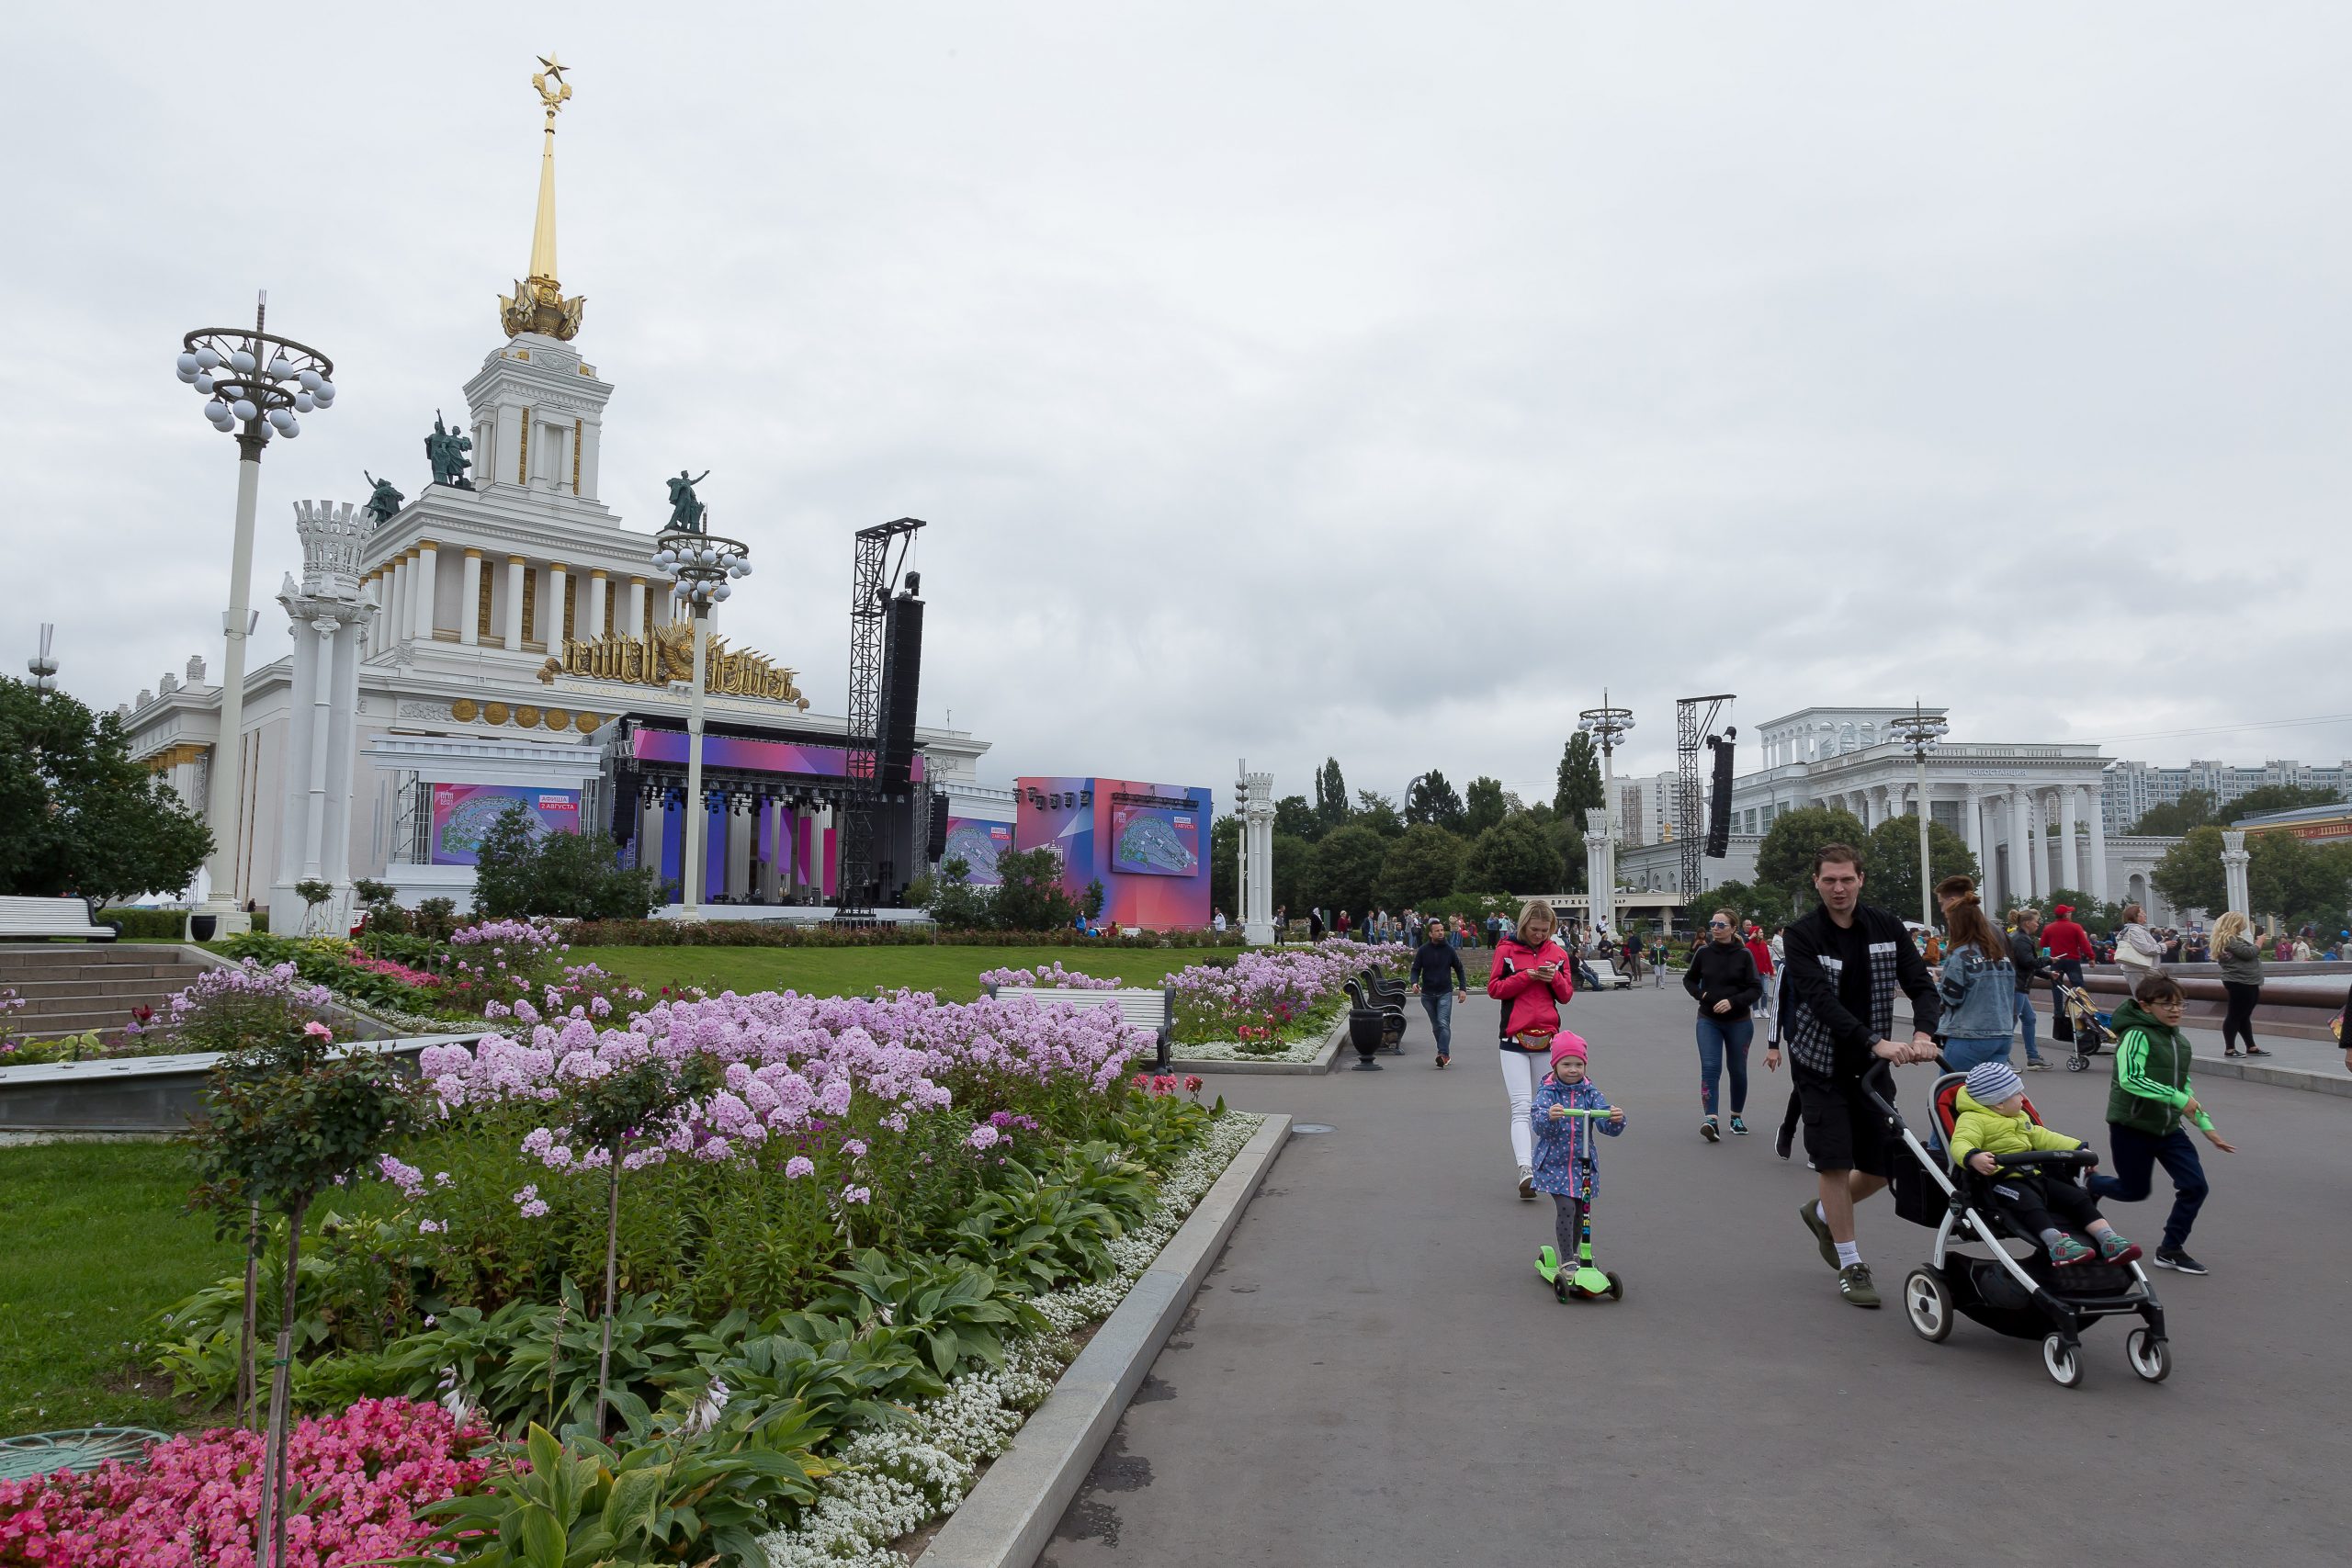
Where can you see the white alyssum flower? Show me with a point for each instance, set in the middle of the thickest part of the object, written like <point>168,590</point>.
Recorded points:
<point>895,1480</point>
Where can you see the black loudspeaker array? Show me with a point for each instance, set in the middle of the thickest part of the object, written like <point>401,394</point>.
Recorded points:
<point>936,846</point>
<point>626,806</point>
<point>902,676</point>
<point>1719,800</point>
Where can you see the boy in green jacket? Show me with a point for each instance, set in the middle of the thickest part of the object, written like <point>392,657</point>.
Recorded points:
<point>1992,1120</point>
<point>2144,1111</point>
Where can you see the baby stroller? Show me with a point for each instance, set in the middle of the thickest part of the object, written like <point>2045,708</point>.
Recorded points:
<point>2092,1028</point>
<point>2027,1298</point>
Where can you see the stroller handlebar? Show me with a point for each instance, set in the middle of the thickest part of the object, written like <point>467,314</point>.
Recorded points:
<point>2075,1157</point>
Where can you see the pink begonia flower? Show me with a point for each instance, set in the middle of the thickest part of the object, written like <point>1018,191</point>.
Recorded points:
<point>797,1166</point>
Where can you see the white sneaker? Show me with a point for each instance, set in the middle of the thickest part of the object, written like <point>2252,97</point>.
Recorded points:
<point>1526,1185</point>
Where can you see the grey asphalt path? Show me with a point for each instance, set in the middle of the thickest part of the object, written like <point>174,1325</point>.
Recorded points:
<point>1373,1374</point>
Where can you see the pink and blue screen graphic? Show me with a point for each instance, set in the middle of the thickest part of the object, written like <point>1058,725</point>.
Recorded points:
<point>1142,841</point>
<point>978,844</point>
<point>463,815</point>
<point>742,752</point>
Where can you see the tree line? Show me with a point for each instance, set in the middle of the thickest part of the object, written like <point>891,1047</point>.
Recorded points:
<point>1440,848</point>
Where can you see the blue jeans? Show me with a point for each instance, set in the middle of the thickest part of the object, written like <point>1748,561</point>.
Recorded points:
<point>1723,1044</point>
<point>2025,1021</point>
<point>1439,1005</point>
<point>2136,1153</point>
<point>1962,1054</point>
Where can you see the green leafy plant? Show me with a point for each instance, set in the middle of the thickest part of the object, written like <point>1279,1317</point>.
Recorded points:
<point>956,1309</point>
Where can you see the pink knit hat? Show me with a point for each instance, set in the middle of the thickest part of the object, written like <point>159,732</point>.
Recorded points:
<point>1567,1044</point>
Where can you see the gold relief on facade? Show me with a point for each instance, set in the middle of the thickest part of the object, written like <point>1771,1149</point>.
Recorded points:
<point>669,655</point>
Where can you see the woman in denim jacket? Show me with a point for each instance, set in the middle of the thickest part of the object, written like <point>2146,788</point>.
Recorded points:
<point>1976,981</point>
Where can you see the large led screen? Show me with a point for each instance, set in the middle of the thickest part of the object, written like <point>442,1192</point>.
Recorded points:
<point>463,815</point>
<point>1154,841</point>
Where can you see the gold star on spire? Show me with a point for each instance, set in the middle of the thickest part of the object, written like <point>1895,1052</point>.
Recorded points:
<point>538,303</point>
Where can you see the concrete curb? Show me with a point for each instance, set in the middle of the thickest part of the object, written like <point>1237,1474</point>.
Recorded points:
<point>1325,1054</point>
<point>2340,1083</point>
<point>1009,1518</point>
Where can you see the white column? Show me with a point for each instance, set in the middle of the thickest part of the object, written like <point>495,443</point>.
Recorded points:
<point>551,613</point>
<point>2021,845</point>
<point>2067,874</point>
<point>322,703</point>
<point>305,708</point>
<point>636,626</point>
<point>403,584</point>
<point>419,626</point>
<point>2234,858</point>
<point>2037,849</point>
<point>2099,852</point>
<point>469,618</point>
<point>1600,885</point>
<point>515,567</point>
<point>1972,827</point>
<point>343,734</point>
<point>1257,900</point>
<point>597,589</point>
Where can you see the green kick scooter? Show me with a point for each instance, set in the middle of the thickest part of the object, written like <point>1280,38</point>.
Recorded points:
<point>1583,1283</point>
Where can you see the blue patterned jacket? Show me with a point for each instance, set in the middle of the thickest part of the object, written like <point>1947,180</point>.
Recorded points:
<point>1564,1147</point>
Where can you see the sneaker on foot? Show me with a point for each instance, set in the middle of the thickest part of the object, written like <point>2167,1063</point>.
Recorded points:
<point>1784,1140</point>
<point>2256,1051</point>
<point>1708,1130</point>
<point>2174,1258</point>
<point>2113,1248</point>
<point>1527,1187</point>
<point>2037,1065</point>
<point>2065,1252</point>
<point>1738,1128</point>
<point>1820,1230</point>
<point>1854,1284</point>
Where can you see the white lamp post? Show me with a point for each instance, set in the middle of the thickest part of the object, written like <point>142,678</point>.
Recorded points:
<point>1921,732</point>
<point>700,568</point>
<point>255,383</point>
<point>1607,726</point>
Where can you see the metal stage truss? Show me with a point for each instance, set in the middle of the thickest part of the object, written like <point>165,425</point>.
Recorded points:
<point>872,581</point>
<point>1693,718</point>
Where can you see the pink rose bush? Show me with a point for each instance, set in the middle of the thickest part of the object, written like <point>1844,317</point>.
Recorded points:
<point>363,1475</point>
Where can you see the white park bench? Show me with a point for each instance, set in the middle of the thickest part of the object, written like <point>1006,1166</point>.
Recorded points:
<point>50,917</point>
<point>1606,973</point>
<point>1139,1008</point>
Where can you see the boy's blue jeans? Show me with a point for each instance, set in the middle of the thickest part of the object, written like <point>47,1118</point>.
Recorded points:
<point>1723,1044</point>
<point>2136,1154</point>
<point>1439,1005</point>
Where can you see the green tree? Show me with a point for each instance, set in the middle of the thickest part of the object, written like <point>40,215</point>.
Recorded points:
<point>77,815</point>
<point>1579,788</point>
<point>2280,797</point>
<point>1515,856</point>
<point>1377,812</point>
<point>1330,796</point>
<point>1293,874</point>
<point>1294,817</point>
<point>1347,868</point>
<point>1784,860</point>
<point>504,863</point>
<point>2172,818</point>
<point>1432,800</point>
<point>2300,883</point>
<point>1482,806</point>
<point>1225,848</point>
<point>955,903</point>
<point>1419,866</point>
<point>2190,876</point>
<point>519,871</point>
<point>1891,863</point>
<point>1029,895</point>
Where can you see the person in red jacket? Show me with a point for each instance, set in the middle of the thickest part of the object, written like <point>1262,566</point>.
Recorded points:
<point>2069,947</point>
<point>1761,950</point>
<point>1529,977</point>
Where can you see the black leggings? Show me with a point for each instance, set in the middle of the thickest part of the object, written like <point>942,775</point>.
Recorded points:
<point>1568,1226</point>
<point>2239,1020</point>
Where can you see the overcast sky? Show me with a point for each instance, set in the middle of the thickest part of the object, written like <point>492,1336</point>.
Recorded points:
<point>1278,380</point>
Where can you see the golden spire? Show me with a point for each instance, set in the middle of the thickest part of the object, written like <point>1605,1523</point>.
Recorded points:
<point>538,304</point>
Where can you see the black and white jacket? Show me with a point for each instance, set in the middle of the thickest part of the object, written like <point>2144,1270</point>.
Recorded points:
<point>1816,1025</point>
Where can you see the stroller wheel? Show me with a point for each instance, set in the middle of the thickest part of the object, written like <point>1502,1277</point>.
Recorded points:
<point>2063,1359</point>
<point>2150,1357</point>
<point>2077,1064</point>
<point>1927,1301</point>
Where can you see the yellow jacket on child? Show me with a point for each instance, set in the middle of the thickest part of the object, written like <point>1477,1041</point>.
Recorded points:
<point>1981,1127</point>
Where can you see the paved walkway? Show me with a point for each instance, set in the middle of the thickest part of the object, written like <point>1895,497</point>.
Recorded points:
<point>1374,1375</point>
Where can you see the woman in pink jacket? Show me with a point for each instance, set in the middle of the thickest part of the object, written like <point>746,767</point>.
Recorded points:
<point>1529,977</point>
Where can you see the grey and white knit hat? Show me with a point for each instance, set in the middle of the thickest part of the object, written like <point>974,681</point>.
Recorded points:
<point>1989,1083</point>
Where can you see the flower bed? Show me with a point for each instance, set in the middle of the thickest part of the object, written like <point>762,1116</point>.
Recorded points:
<point>423,986</point>
<point>1050,976</point>
<point>364,1474</point>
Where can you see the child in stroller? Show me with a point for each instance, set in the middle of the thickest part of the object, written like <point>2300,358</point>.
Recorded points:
<point>1992,1120</point>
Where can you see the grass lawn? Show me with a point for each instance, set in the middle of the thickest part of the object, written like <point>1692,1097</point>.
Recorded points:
<point>97,1240</point>
<point>952,973</point>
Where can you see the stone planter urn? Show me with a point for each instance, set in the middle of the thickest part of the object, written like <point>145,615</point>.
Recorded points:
<point>1363,1033</point>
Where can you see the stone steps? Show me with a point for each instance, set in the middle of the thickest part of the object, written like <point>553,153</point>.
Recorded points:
<point>69,990</point>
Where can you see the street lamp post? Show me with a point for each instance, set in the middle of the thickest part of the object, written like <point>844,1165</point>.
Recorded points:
<point>700,568</point>
<point>255,383</point>
<point>1921,732</point>
<point>1608,727</point>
